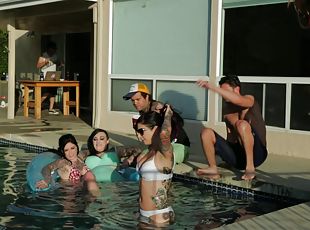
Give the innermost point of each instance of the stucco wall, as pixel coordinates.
(280, 141)
(289, 143)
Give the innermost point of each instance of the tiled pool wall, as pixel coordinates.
(237, 192)
(275, 192)
(25, 146)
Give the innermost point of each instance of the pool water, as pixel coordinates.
(116, 208)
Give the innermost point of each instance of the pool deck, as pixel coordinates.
(279, 175)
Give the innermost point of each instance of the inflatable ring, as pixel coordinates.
(34, 170)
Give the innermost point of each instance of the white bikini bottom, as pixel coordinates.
(155, 212)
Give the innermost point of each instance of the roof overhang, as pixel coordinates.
(13, 4)
(49, 16)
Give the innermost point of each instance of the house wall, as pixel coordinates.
(280, 141)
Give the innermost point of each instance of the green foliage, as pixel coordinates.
(3, 51)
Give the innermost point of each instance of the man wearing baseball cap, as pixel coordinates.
(141, 98)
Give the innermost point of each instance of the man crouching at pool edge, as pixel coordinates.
(245, 145)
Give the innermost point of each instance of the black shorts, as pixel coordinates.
(49, 91)
(234, 153)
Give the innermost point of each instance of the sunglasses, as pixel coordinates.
(140, 131)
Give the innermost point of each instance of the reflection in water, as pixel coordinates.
(8, 163)
(62, 207)
(8, 188)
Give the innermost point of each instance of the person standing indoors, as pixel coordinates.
(50, 59)
(245, 145)
(141, 99)
(155, 167)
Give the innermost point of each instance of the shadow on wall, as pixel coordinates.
(184, 104)
(187, 107)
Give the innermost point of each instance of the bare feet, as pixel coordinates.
(249, 175)
(210, 173)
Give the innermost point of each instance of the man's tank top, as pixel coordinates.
(254, 117)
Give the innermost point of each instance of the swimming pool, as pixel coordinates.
(69, 207)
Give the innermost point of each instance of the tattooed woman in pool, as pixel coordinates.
(69, 167)
(155, 167)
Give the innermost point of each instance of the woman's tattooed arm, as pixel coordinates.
(48, 169)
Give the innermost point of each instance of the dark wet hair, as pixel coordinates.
(63, 140)
(231, 80)
(150, 119)
(90, 143)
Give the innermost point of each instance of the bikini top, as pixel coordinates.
(74, 175)
(149, 172)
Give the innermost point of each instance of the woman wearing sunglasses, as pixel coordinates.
(155, 167)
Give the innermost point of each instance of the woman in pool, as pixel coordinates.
(98, 145)
(155, 167)
(99, 154)
(69, 167)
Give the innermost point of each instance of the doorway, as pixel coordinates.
(78, 67)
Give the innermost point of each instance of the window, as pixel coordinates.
(166, 44)
(121, 88)
(267, 41)
(166, 37)
(300, 107)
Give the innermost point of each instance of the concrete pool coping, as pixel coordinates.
(280, 175)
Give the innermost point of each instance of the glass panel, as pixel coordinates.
(275, 105)
(255, 89)
(300, 107)
(265, 41)
(168, 37)
(186, 97)
(119, 89)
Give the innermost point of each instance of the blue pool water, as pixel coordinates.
(116, 208)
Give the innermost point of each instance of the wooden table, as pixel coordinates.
(37, 85)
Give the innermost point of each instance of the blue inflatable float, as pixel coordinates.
(34, 170)
(105, 169)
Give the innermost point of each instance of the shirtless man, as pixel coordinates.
(245, 146)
